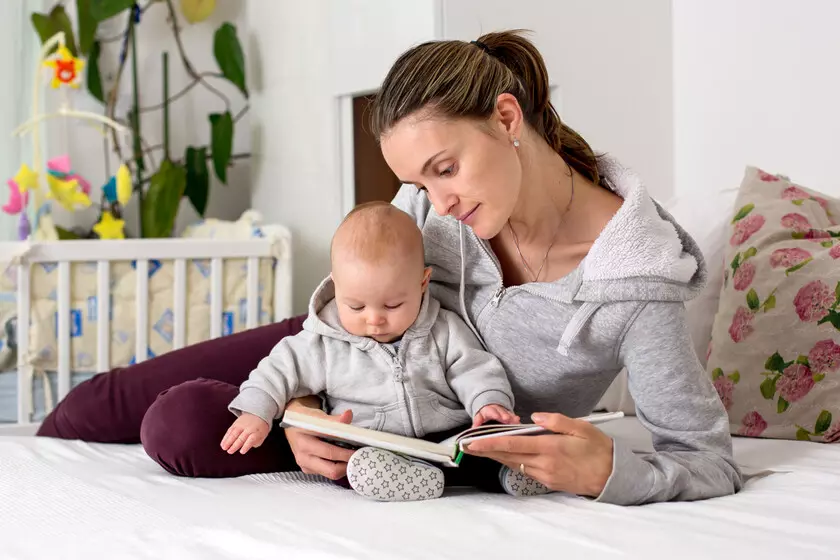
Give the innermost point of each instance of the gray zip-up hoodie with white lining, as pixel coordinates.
(437, 381)
(562, 343)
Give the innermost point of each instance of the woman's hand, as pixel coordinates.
(494, 412)
(313, 455)
(576, 458)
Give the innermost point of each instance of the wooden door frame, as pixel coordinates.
(346, 148)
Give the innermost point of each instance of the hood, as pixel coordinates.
(323, 318)
(642, 254)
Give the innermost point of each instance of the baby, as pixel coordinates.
(377, 343)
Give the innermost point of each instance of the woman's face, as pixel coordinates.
(470, 170)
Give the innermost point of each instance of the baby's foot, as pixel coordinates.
(517, 484)
(381, 475)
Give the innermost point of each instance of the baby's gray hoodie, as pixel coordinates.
(437, 380)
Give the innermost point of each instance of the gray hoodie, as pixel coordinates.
(562, 343)
(439, 370)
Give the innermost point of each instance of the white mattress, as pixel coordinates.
(61, 499)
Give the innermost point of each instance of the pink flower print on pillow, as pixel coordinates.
(835, 252)
(796, 382)
(795, 193)
(824, 356)
(725, 387)
(753, 425)
(743, 277)
(816, 235)
(787, 258)
(813, 301)
(741, 326)
(764, 176)
(832, 434)
(746, 228)
(796, 222)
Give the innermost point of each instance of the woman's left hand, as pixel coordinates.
(577, 458)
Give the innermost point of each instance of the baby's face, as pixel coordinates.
(380, 301)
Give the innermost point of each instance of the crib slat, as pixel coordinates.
(283, 286)
(24, 386)
(142, 311)
(63, 329)
(103, 316)
(179, 324)
(216, 298)
(252, 313)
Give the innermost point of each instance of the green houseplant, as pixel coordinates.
(158, 183)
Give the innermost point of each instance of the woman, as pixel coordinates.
(557, 259)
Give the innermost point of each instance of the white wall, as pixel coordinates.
(188, 116)
(304, 55)
(756, 82)
(612, 62)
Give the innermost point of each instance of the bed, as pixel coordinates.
(68, 499)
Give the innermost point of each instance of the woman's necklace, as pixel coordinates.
(535, 277)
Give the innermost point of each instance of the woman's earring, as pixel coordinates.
(516, 142)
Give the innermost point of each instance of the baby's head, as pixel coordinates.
(378, 270)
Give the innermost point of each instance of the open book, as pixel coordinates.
(447, 452)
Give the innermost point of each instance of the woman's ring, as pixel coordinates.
(522, 468)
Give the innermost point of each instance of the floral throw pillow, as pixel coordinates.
(774, 357)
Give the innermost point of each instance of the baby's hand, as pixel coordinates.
(247, 432)
(495, 412)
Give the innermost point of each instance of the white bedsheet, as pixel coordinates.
(61, 499)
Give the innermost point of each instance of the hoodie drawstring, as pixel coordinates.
(576, 324)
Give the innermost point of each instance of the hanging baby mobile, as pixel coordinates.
(44, 183)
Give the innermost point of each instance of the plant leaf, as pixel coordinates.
(198, 178)
(827, 244)
(101, 10)
(775, 363)
(43, 26)
(803, 435)
(818, 377)
(751, 252)
(823, 423)
(87, 26)
(735, 376)
(48, 25)
(229, 56)
(743, 212)
(768, 387)
(752, 300)
(798, 202)
(94, 78)
(736, 262)
(803, 360)
(837, 291)
(717, 372)
(222, 142)
(782, 405)
(160, 205)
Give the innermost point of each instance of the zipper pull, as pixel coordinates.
(498, 296)
(398, 371)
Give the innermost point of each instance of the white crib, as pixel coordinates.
(23, 255)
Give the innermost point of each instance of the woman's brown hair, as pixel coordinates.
(455, 79)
